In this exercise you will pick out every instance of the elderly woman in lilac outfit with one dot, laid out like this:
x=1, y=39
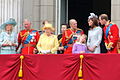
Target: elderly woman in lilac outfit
x=80, y=45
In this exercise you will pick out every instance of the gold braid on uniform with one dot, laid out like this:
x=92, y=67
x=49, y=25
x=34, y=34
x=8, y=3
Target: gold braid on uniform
x=24, y=35
x=79, y=29
x=60, y=41
x=111, y=43
x=66, y=35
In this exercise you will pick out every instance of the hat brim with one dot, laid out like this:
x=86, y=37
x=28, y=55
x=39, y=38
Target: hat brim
x=6, y=23
x=51, y=28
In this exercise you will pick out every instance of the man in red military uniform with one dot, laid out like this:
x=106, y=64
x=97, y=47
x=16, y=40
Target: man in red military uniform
x=111, y=34
x=28, y=38
x=69, y=36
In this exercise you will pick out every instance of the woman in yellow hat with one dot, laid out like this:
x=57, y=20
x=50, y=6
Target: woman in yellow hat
x=8, y=38
x=48, y=42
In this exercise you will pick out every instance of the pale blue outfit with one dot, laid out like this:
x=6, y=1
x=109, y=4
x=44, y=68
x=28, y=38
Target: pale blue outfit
x=6, y=38
x=94, y=39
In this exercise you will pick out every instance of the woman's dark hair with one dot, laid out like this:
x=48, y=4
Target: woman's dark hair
x=95, y=21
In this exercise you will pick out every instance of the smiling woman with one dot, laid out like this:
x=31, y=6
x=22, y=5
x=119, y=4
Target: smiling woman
x=48, y=42
x=94, y=34
x=8, y=38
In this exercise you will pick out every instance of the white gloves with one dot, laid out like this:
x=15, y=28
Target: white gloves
x=48, y=51
x=45, y=51
x=7, y=42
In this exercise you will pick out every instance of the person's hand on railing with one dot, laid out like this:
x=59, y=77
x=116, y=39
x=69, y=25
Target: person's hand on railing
x=45, y=51
x=61, y=48
x=13, y=44
x=35, y=51
x=5, y=45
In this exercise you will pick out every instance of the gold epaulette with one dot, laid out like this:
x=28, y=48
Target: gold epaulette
x=68, y=29
x=60, y=41
x=109, y=46
x=66, y=35
x=24, y=35
x=79, y=29
x=110, y=23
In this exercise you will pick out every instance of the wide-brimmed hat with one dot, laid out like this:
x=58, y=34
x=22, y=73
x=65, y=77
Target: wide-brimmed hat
x=48, y=26
x=10, y=21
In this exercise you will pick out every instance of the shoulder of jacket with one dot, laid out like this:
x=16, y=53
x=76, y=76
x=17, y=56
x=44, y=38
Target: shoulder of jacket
x=22, y=30
x=34, y=30
x=79, y=29
x=68, y=29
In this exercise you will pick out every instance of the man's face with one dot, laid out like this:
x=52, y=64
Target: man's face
x=64, y=27
x=102, y=22
x=27, y=24
x=73, y=24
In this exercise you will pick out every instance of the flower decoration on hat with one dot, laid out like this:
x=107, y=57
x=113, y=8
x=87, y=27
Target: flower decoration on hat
x=92, y=15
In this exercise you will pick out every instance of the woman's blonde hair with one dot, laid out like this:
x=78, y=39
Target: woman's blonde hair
x=83, y=35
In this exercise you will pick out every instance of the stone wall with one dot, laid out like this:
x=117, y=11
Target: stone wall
x=115, y=12
x=38, y=11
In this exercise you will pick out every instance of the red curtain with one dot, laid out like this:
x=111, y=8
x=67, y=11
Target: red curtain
x=60, y=67
x=9, y=67
x=101, y=67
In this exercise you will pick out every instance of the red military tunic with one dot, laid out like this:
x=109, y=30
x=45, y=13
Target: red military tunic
x=118, y=45
x=27, y=48
x=112, y=38
x=66, y=37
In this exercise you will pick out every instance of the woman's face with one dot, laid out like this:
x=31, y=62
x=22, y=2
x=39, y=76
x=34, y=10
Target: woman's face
x=48, y=31
x=8, y=27
x=90, y=22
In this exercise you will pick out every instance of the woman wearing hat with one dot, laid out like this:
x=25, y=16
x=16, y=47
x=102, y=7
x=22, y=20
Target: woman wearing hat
x=94, y=34
x=8, y=38
x=48, y=42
